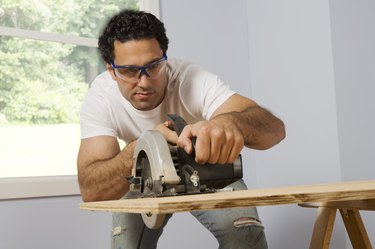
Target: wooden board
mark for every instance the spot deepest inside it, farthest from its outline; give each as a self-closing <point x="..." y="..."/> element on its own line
<point x="341" y="191"/>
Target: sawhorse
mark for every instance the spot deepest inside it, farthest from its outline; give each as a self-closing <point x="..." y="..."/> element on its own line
<point x="349" y="211"/>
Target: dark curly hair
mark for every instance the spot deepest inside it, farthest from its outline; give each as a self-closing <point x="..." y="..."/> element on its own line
<point x="131" y="25"/>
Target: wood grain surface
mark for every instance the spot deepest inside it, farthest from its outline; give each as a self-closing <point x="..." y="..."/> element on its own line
<point x="340" y="191"/>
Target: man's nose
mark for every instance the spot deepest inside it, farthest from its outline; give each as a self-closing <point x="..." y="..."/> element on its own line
<point x="144" y="80"/>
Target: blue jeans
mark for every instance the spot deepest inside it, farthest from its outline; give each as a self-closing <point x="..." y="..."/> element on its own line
<point x="234" y="228"/>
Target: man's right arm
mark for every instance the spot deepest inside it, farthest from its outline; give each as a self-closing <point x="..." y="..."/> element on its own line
<point x="102" y="168"/>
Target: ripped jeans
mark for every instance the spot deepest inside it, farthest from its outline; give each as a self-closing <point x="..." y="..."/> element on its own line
<point x="234" y="228"/>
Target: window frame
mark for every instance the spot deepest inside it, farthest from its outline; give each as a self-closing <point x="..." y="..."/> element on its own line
<point x="52" y="186"/>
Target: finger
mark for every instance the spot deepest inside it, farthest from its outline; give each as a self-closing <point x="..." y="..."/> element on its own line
<point x="218" y="141"/>
<point x="203" y="145"/>
<point x="184" y="140"/>
<point x="238" y="145"/>
<point x="168" y="124"/>
<point x="226" y="149"/>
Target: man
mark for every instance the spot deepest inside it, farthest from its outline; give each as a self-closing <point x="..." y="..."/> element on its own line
<point x="140" y="87"/>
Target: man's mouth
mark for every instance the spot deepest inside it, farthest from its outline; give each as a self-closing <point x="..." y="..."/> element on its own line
<point x="144" y="95"/>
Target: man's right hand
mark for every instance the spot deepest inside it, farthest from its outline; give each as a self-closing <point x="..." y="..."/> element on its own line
<point x="169" y="134"/>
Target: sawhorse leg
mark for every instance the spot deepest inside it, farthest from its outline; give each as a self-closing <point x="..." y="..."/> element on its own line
<point x="323" y="228"/>
<point x="356" y="229"/>
<point x="349" y="211"/>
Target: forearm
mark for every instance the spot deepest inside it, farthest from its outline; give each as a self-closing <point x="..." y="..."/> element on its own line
<point x="105" y="179"/>
<point x="259" y="127"/>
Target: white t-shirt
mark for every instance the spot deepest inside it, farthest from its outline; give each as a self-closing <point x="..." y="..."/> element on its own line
<point x="192" y="93"/>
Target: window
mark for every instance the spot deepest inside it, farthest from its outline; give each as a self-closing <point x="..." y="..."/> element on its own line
<point x="48" y="57"/>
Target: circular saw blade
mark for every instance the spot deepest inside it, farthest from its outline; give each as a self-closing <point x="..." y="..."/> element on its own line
<point x="153" y="221"/>
<point x="150" y="187"/>
<point x="154" y="166"/>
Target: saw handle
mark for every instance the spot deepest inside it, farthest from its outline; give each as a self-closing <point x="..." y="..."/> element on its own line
<point x="177" y="122"/>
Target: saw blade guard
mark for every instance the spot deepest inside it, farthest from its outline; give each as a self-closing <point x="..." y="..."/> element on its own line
<point x="153" y="147"/>
<point x="153" y="166"/>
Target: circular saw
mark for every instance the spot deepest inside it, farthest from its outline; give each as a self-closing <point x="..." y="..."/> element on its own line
<point x="161" y="169"/>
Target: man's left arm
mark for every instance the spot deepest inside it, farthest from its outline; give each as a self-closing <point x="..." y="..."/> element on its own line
<point x="238" y="122"/>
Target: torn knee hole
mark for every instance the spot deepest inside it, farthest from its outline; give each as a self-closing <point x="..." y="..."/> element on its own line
<point x="246" y="221"/>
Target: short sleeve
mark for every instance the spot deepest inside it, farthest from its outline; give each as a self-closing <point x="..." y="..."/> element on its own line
<point x="95" y="119"/>
<point x="203" y="92"/>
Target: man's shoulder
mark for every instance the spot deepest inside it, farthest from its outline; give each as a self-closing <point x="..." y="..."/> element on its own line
<point x="102" y="88"/>
<point x="103" y="79"/>
<point x="177" y="63"/>
<point x="182" y="69"/>
<point x="103" y="84"/>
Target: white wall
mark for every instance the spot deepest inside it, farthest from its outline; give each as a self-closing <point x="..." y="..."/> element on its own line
<point x="47" y="223"/>
<point x="353" y="39"/>
<point x="353" y="36"/>
<point x="291" y="69"/>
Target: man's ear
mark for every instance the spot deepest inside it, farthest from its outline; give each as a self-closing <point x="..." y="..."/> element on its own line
<point x="111" y="71"/>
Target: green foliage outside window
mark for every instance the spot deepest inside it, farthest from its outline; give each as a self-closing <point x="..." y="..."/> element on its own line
<point x="45" y="82"/>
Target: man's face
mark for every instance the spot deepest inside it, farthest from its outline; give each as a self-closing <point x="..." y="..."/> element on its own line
<point x="144" y="93"/>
